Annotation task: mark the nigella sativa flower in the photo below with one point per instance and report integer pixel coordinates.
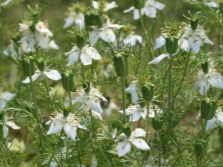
(5, 97)
(132, 89)
(151, 7)
(105, 6)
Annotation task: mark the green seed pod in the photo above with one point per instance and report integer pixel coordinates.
(40, 64)
(171, 45)
(80, 39)
(88, 19)
(200, 148)
(204, 66)
(194, 24)
(98, 20)
(208, 108)
(138, 4)
(147, 91)
(86, 86)
(157, 123)
(28, 66)
(127, 130)
(66, 111)
(1, 126)
(121, 64)
(68, 81)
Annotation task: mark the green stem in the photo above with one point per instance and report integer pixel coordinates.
(137, 158)
(159, 138)
(34, 98)
(139, 122)
(70, 98)
(147, 122)
(3, 156)
(185, 70)
(78, 153)
(199, 162)
(124, 98)
(48, 93)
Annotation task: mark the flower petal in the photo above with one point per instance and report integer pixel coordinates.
(94, 37)
(7, 96)
(211, 124)
(53, 45)
(93, 53)
(195, 43)
(158, 59)
(5, 130)
(34, 77)
(94, 106)
(158, 5)
(71, 130)
(69, 21)
(129, 10)
(138, 132)
(56, 126)
(73, 57)
(107, 35)
(53, 74)
(12, 125)
(136, 14)
(86, 59)
(123, 148)
(140, 144)
(161, 41)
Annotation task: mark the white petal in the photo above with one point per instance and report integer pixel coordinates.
(93, 53)
(7, 96)
(107, 35)
(129, 10)
(53, 45)
(73, 57)
(5, 130)
(158, 59)
(150, 11)
(159, 5)
(207, 40)
(135, 116)
(211, 124)
(94, 106)
(161, 41)
(216, 82)
(5, 3)
(98, 115)
(212, 4)
(110, 5)
(53, 74)
(123, 148)
(133, 91)
(140, 144)
(12, 125)
(56, 126)
(204, 87)
(184, 45)
(95, 4)
(34, 77)
(70, 130)
(94, 37)
(86, 59)
(136, 14)
(69, 21)
(3, 103)
(195, 43)
(138, 132)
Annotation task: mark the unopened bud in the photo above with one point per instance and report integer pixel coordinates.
(68, 81)
(80, 39)
(204, 66)
(200, 148)
(137, 4)
(208, 108)
(127, 130)
(40, 64)
(121, 64)
(66, 111)
(171, 45)
(28, 66)
(194, 24)
(98, 20)
(86, 86)
(157, 123)
(147, 91)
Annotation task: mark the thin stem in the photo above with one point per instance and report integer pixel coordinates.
(185, 70)
(70, 98)
(124, 98)
(199, 162)
(147, 121)
(48, 93)
(159, 138)
(139, 122)
(137, 158)
(34, 98)
(3, 155)
(78, 153)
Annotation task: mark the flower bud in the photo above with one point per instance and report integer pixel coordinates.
(80, 39)
(86, 86)
(157, 123)
(171, 45)
(88, 19)
(28, 66)
(98, 20)
(200, 148)
(68, 81)
(137, 4)
(127, 130)
(121, 64)
(208, 108)
(66, 111)
(204, 66)
(147, 91)
(194, 24)
(40, 64)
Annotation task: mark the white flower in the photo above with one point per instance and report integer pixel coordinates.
(5, 97)
(212, 78)
(195, 38)
(41, 37)
(9, 123)
(106, 6)
(136, 14)
(212, 4)
(132, 89)
(132, 39)
(125, 146)
(69, 124)
(91, 99)
(105, 32)
(159, 58)
(151, 7)
(5, 3)
(86, 55)
(49, 73)
(75, 17)
(136, 112)
(211, 124)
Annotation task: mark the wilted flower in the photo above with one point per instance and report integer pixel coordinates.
(195, 37)
(49, 73)
(136, 112)
(105, 32)
(5, 97)
(16, 145)
(40, 37)
(86, 55)
(106, 6)
(151, 7)
(91, 99)
(69, 124)
(205, 80)
(125, 146)
(9, 123)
